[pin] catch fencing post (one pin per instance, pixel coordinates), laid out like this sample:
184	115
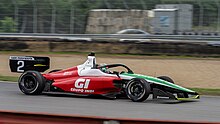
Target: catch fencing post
218	17
15	14
34	16
201	12
72	19
53	17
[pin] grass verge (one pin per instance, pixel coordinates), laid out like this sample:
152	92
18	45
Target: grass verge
206	91
201	91
8	78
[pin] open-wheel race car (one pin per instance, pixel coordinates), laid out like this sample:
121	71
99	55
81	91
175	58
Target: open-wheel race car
91	78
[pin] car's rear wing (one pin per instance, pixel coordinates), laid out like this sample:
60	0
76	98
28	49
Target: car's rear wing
21	64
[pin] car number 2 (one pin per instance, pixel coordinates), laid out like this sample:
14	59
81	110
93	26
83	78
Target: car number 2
20	66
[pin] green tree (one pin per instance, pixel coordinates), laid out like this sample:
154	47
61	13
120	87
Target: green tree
7	25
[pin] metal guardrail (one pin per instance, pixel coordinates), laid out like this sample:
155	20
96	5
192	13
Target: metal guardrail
119	36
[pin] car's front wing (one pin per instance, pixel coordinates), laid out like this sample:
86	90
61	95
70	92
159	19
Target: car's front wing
158	93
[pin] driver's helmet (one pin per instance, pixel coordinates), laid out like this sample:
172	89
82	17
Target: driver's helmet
104	69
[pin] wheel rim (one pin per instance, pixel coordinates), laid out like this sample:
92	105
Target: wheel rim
136	89
29	82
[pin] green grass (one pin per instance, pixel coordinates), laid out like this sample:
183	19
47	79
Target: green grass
201	91
206	91
8	78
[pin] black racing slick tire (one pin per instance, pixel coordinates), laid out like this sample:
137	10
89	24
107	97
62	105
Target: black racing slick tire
138	90
31	83
179	95
166	78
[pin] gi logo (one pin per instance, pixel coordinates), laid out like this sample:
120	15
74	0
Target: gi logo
82	83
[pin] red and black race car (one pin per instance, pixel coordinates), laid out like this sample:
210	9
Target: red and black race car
90	78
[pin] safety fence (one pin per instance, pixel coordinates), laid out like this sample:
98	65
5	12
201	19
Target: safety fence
71	16
11	117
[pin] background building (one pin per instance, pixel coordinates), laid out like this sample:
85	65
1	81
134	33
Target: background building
172	18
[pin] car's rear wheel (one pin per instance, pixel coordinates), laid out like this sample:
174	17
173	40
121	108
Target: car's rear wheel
138	90
31	83
179	95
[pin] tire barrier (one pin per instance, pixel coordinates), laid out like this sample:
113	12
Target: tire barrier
152	47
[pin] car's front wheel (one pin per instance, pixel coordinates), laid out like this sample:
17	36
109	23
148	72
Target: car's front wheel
138	90
179	95
31	83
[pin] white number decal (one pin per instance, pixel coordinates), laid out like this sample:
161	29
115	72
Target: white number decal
82	83
20	65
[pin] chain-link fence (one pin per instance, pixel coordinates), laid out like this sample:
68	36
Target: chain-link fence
71	16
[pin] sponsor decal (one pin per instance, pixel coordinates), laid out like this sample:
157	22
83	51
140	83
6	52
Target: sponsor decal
81	90
81	85
164	21
67	73
21	58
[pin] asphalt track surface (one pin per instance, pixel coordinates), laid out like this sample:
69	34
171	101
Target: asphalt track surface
206	109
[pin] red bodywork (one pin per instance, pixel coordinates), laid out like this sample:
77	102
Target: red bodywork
69	81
